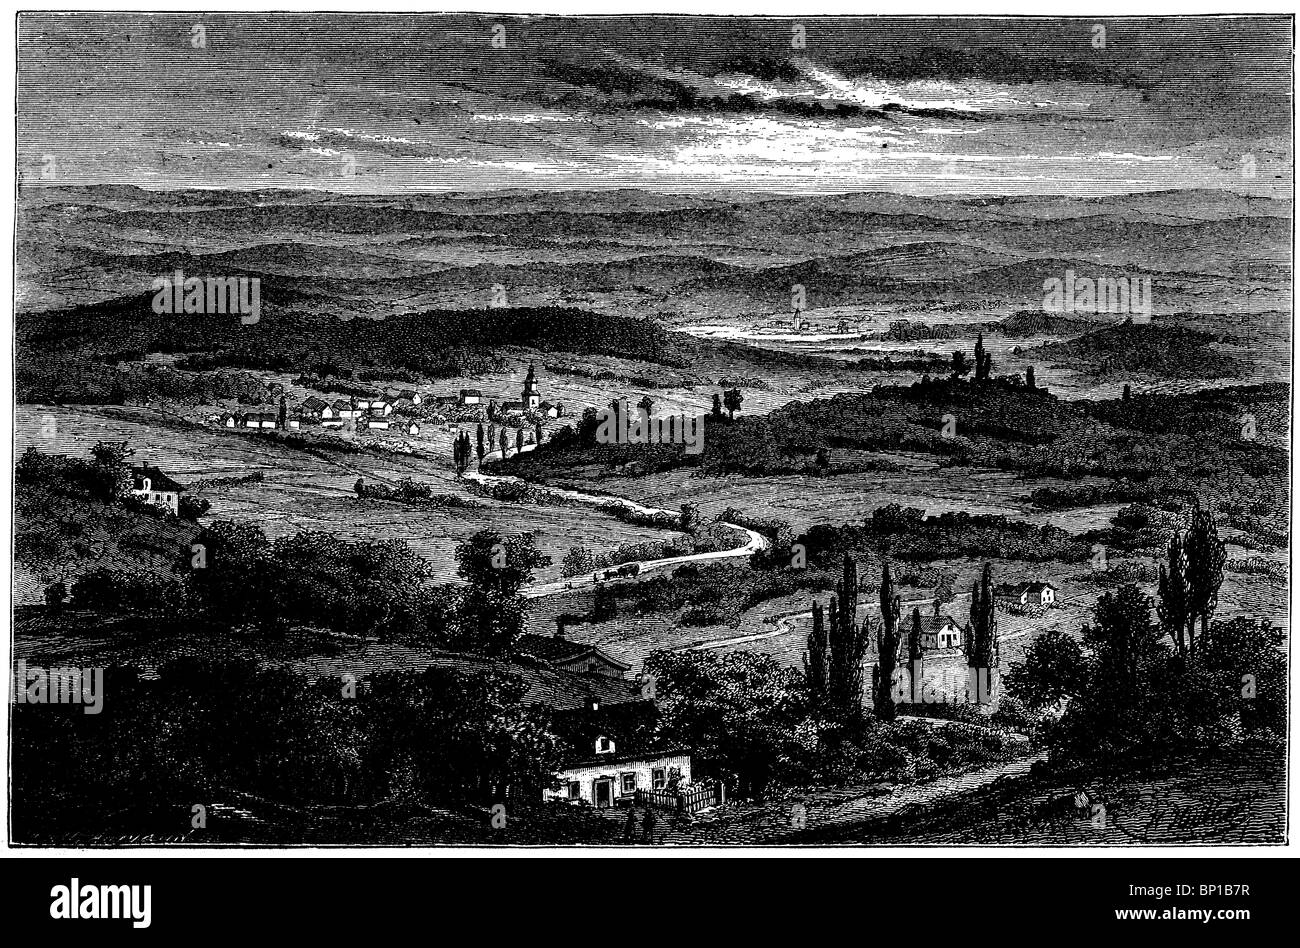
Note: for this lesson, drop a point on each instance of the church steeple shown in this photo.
(532, 398)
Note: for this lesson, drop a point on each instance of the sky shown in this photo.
(398, 103)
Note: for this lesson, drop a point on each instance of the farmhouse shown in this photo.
(549, 409)
(445, 401)
(1039, 595)
(940, 632)
(346, 409)
(471, 396)
(316, 407)
(378, 423)
(413, 428)
(604, 778)
(259, 420)
(154, 487)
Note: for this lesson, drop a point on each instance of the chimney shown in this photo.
(559, 627)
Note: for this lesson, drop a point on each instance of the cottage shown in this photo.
(410, 395)
(606, 778)
(471, 396)
(230, 421)
(346, 409)
(315, 407)
(413, 428)
(378, 423)
(445, 401)
(154, 487)
(549, 409)
(940, 632)
(512, 408)
(1037, 595)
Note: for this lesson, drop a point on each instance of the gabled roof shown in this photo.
(314, 403)
(938, 622)
(1020, 589)
(157, 479)
(553, 649)
(464, 392)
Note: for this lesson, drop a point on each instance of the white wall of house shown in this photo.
(641, 772)
(164, 498)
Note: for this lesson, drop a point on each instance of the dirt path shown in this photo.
(818, 820)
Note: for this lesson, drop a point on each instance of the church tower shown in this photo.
(532, 398)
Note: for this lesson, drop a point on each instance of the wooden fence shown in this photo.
(682, 801)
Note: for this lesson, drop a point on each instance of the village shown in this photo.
(408, 412)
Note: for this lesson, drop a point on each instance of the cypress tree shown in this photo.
(1205, 559)
(1174, 606)
(814, 663)
(887, 645)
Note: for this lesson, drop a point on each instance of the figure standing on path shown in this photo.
(629, 827)
(648, 825)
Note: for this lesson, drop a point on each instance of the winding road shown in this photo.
(754, 541)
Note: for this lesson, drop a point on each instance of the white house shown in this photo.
(345, 409)
(549, 409)
(606, 778)
(1040, 595)
(940, 632)
(413, 428)
(373, 422)
(471, 396)
(154, 487)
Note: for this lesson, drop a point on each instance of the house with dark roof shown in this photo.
(940, 632)
(316, 407)
(471, 396)
(1038, 595)
(603, 777)
(612, 753)
(154, 487)
(575, 657)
